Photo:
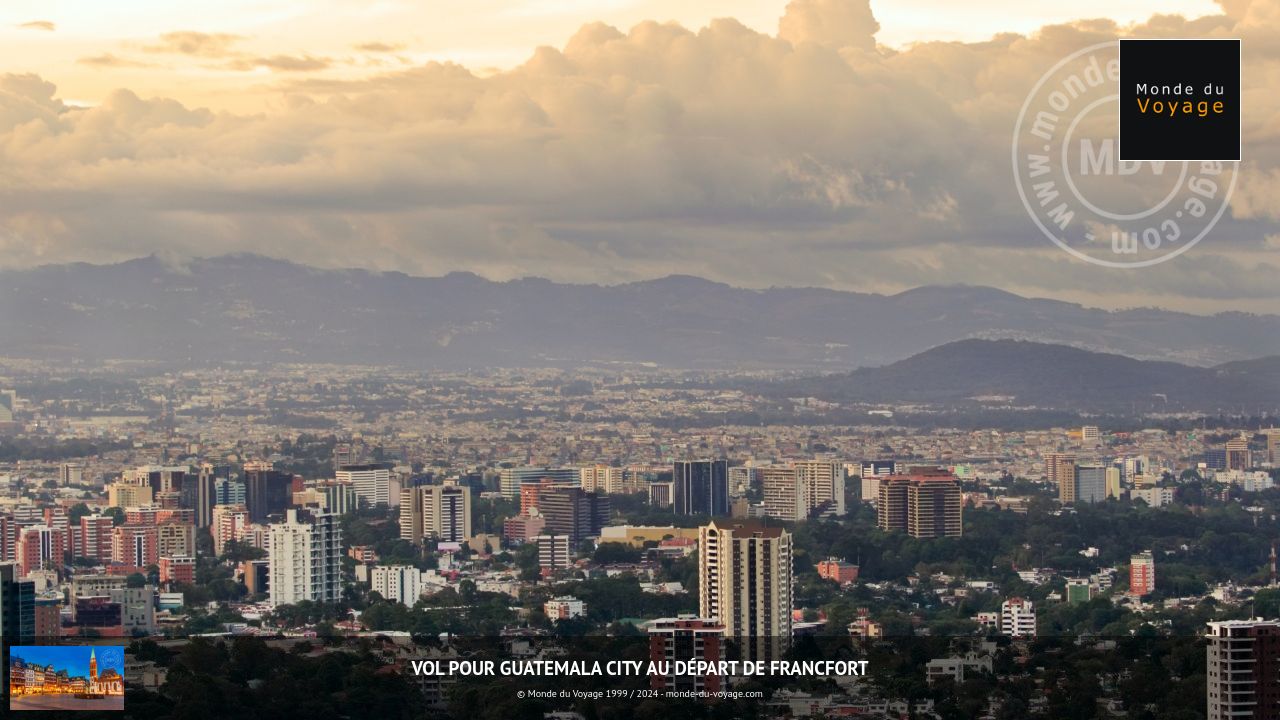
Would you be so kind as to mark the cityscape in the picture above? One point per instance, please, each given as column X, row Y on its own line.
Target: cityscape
column 614, row 359
column 296, row 505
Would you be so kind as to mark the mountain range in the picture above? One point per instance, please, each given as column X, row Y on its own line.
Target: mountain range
column 253, row 308
column 993, row 373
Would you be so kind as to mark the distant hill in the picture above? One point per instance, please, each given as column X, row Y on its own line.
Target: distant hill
column 247, row 307
column 976, row 372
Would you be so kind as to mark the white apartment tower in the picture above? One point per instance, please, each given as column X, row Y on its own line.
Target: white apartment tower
column 305, row 559
column 744, row 572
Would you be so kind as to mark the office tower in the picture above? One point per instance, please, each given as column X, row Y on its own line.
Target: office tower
column 95, row 537
column 510, row 480
column 1090, row 435
column 1242, row 670
column 177, row 569
column 371, row 482
column 1060, row 472
column 742, row 479
column 785, row 494
column 1113, row 475
column 601, row 478
column 123, row 494
column 683, row 639
column 925, row 504
column 573, row 512
column 135, row 546
column 206, row 496
column 267, row 491
column 331, row 496
column 399, row 583
column 442, row 512
column 1018, row 618
column 531, row 492
column 825, row 481
column 70, row 474
column 1238, row 454
column 17, row 605
column 701, row 487
column 344, row 454
column 744, row 583
column 230, row 522
column 305, row 558
column 160, row 478
column 1142, row 574
column 1091, row 483
column 553, row 553
column 39, row 546
column 1273, row 445
column 662, row 494
column 176, row 539
column 228, row 492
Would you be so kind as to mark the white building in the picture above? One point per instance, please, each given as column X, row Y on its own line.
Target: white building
column 371, row 482
column 601, row 478
column 442, row 512
column 564, row 608
column 1018, row 618
column 1153, row 496
column 305, row 559
column 745, row 584
column 401, row 583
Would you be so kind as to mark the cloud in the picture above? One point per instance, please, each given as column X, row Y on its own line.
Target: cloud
column 44, row 25
column 199, row 44
column 809, row 157
column 283, row 63
column 379, row 47
column 108, row 60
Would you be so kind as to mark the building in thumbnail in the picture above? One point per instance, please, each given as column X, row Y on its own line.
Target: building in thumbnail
column 701, row 487
column 924, row 504
column 1237, row 452
column 268, row 491
column 554, row 553
column 838, row 570
column 684, row 638
column 1018, row 617
column 39, row 547
column 601, row 478
column 801, row 490
column 745, row 584
column 1242, row 670
column 17, row 604
column 305, row 559
column 1142, row 574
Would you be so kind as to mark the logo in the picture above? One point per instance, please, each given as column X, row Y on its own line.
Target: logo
column 1082, row 196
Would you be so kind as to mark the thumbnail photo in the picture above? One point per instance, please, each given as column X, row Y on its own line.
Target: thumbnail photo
column 56, row 677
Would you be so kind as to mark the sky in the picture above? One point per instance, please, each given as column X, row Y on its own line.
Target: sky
column 73, row 659
column 833, row 143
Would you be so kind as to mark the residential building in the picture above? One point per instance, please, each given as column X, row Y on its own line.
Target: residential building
column 745, row 584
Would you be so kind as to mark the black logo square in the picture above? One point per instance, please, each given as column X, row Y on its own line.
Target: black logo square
column 1179, row 99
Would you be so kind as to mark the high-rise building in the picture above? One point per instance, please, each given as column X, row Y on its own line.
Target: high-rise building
column 40, row 546
column 1142, row 574
column 1113, row 482
column 1018, row 618
column 135, row 546
column 573, row 512
column 1238, row 454
column 744, row 584
column 230, row 522
column 305, row 559
column 1273, row 445
column 601, row 478
column 802, row 490
column 95, row 537
column 174, row 539
column 1091, row 483
column 925, row 504
column 267, row 491
column 398, row 583
column 177, row 569
column 683, row 639
column 1060, row 472
column 206, row 496
column 701, row 487
column 1242, row 672
column 70, row 474
column 331, row 496
column 1090, row 435
column 511, row 480
column 371, row 481
column 123, row 494
column 554, row 553
column 17, row 605
column 441, row 511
